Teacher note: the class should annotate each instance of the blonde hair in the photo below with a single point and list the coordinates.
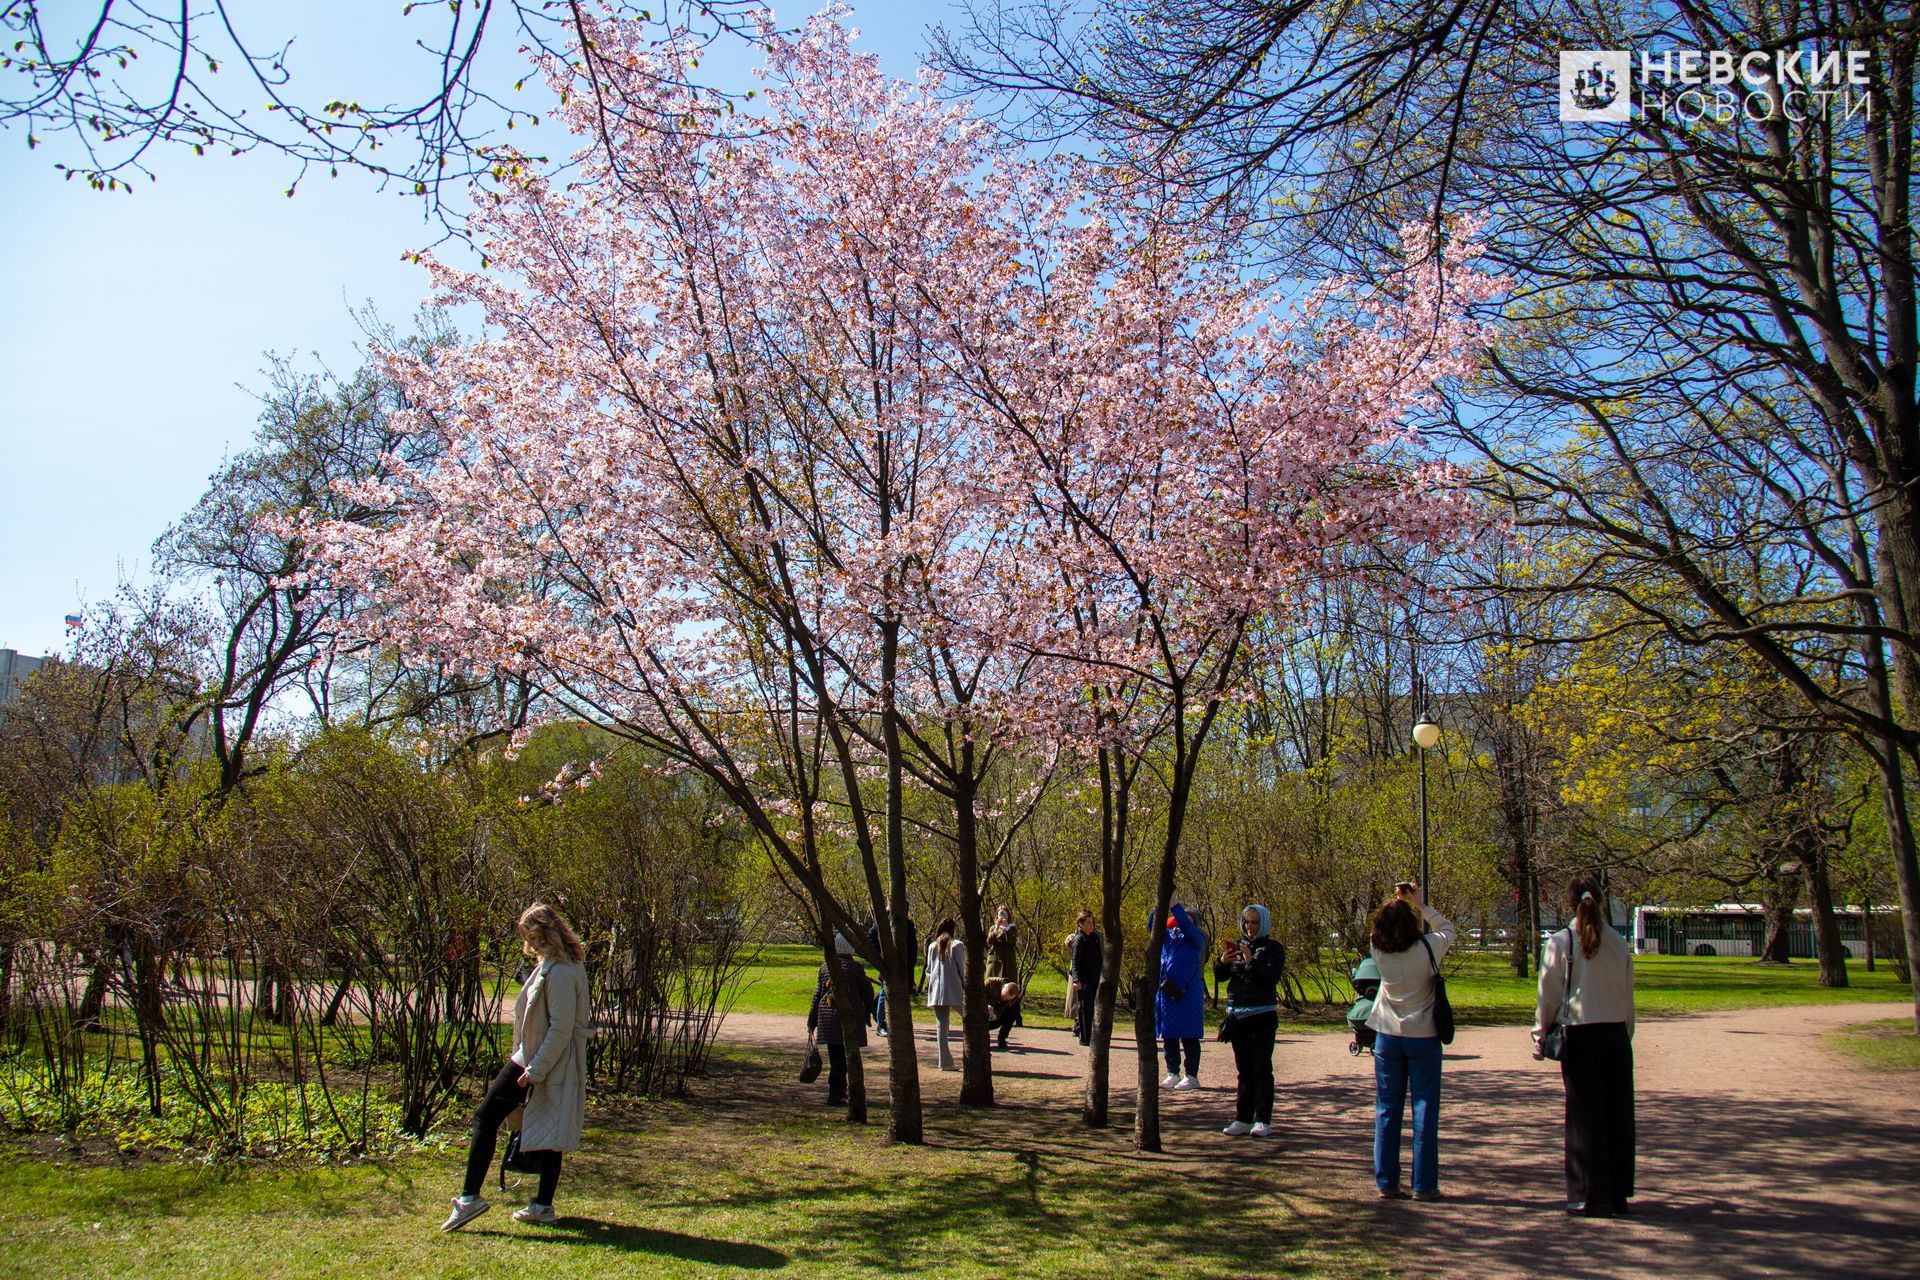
(555, 937)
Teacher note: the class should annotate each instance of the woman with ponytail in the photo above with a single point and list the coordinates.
(946, 983)
(1586, 985)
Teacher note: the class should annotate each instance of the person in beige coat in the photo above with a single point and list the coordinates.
(546, 1075)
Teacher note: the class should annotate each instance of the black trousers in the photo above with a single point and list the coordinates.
(1253, 1059)
(503, 1095)
(1083, 1015)
(836, 1073)
(1598, 1071)
(1003, 1018)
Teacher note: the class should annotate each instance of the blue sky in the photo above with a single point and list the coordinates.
(133, 338)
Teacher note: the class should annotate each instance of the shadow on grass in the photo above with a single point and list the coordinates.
(671, 1244)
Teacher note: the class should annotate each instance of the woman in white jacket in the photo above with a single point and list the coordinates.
(1586, 982)
(1409, 940)
(946, 983)
(547, 1073)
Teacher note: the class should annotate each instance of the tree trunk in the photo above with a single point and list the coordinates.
(903, 1062)
(1901, 843)
(903, 1082)
(976, 1067)
(1115, 794)
(1093, 1104)
(147, 1014)
(1782, 894)
(847, 1001)
(1828, 949)
(976, 1064)
(332, 1015)
(1523, 930)
(95, 995)
(1146, 1112)
(6, 984)
(1146, 1115)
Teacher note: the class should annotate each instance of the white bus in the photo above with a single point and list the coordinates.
(1740, 929)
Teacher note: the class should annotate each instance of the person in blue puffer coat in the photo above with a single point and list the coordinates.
(1179, 1007)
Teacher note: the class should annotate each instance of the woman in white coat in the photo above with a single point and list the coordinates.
(1586, 983)
(547, 1073)
(946, 983)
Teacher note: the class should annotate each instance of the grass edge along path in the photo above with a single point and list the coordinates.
(1888, 1045)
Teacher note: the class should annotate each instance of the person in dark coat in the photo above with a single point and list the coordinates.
(1179, 1005)
(1087, 955)
(1003, 967)
(1251, 968)
(839, 1029)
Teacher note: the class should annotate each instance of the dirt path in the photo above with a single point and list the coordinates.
(1761, 1152)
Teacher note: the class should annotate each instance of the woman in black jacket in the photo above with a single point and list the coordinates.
(1251, 969)
(840, 1028)
(1083, 968)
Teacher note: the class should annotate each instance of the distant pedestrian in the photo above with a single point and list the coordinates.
(1251, 968)
(946, 983)
(1406, 1049)
(1179, 1005)
(913, 954)
(840, 1029)
(1003, 968)
(1084, 965)
(546, 1074)
(1586, 982)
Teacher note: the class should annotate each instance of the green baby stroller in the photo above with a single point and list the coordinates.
(1366, 985)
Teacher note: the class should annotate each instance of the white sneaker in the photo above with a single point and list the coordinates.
(540, 1213)
(1187, 1082)
(1260, 1129)
(464, 1211)
(1169, 1080)
(1237, 1128)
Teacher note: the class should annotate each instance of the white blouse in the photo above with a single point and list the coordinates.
(1602, 985)
(1404, 1006)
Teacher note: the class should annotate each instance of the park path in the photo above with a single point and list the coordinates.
(1761, 1152)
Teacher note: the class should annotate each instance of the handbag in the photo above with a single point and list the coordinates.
(810, 1069)
(1172, 990)
(1554, 1043)
(514, 1159)
(1227, 1028)
(1442, 1007)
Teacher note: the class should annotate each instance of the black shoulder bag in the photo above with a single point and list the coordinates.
(1554, 1043)
(1442, 1007)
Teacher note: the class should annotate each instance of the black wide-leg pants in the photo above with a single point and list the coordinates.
(1598, 1071)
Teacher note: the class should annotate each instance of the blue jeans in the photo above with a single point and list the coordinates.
(880, 1009)
(1400, 1062)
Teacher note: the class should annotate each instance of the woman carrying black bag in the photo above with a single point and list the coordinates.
(840, 1029)
(1409, 941)
(1586, 1014)
(1251, 969)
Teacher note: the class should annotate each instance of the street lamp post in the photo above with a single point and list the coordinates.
(1426, 734)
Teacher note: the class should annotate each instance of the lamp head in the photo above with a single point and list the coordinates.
(1425, 734)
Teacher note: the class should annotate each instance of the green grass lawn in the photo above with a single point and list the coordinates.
(743, 1178)
(1480, 984)
(1887, 1045)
